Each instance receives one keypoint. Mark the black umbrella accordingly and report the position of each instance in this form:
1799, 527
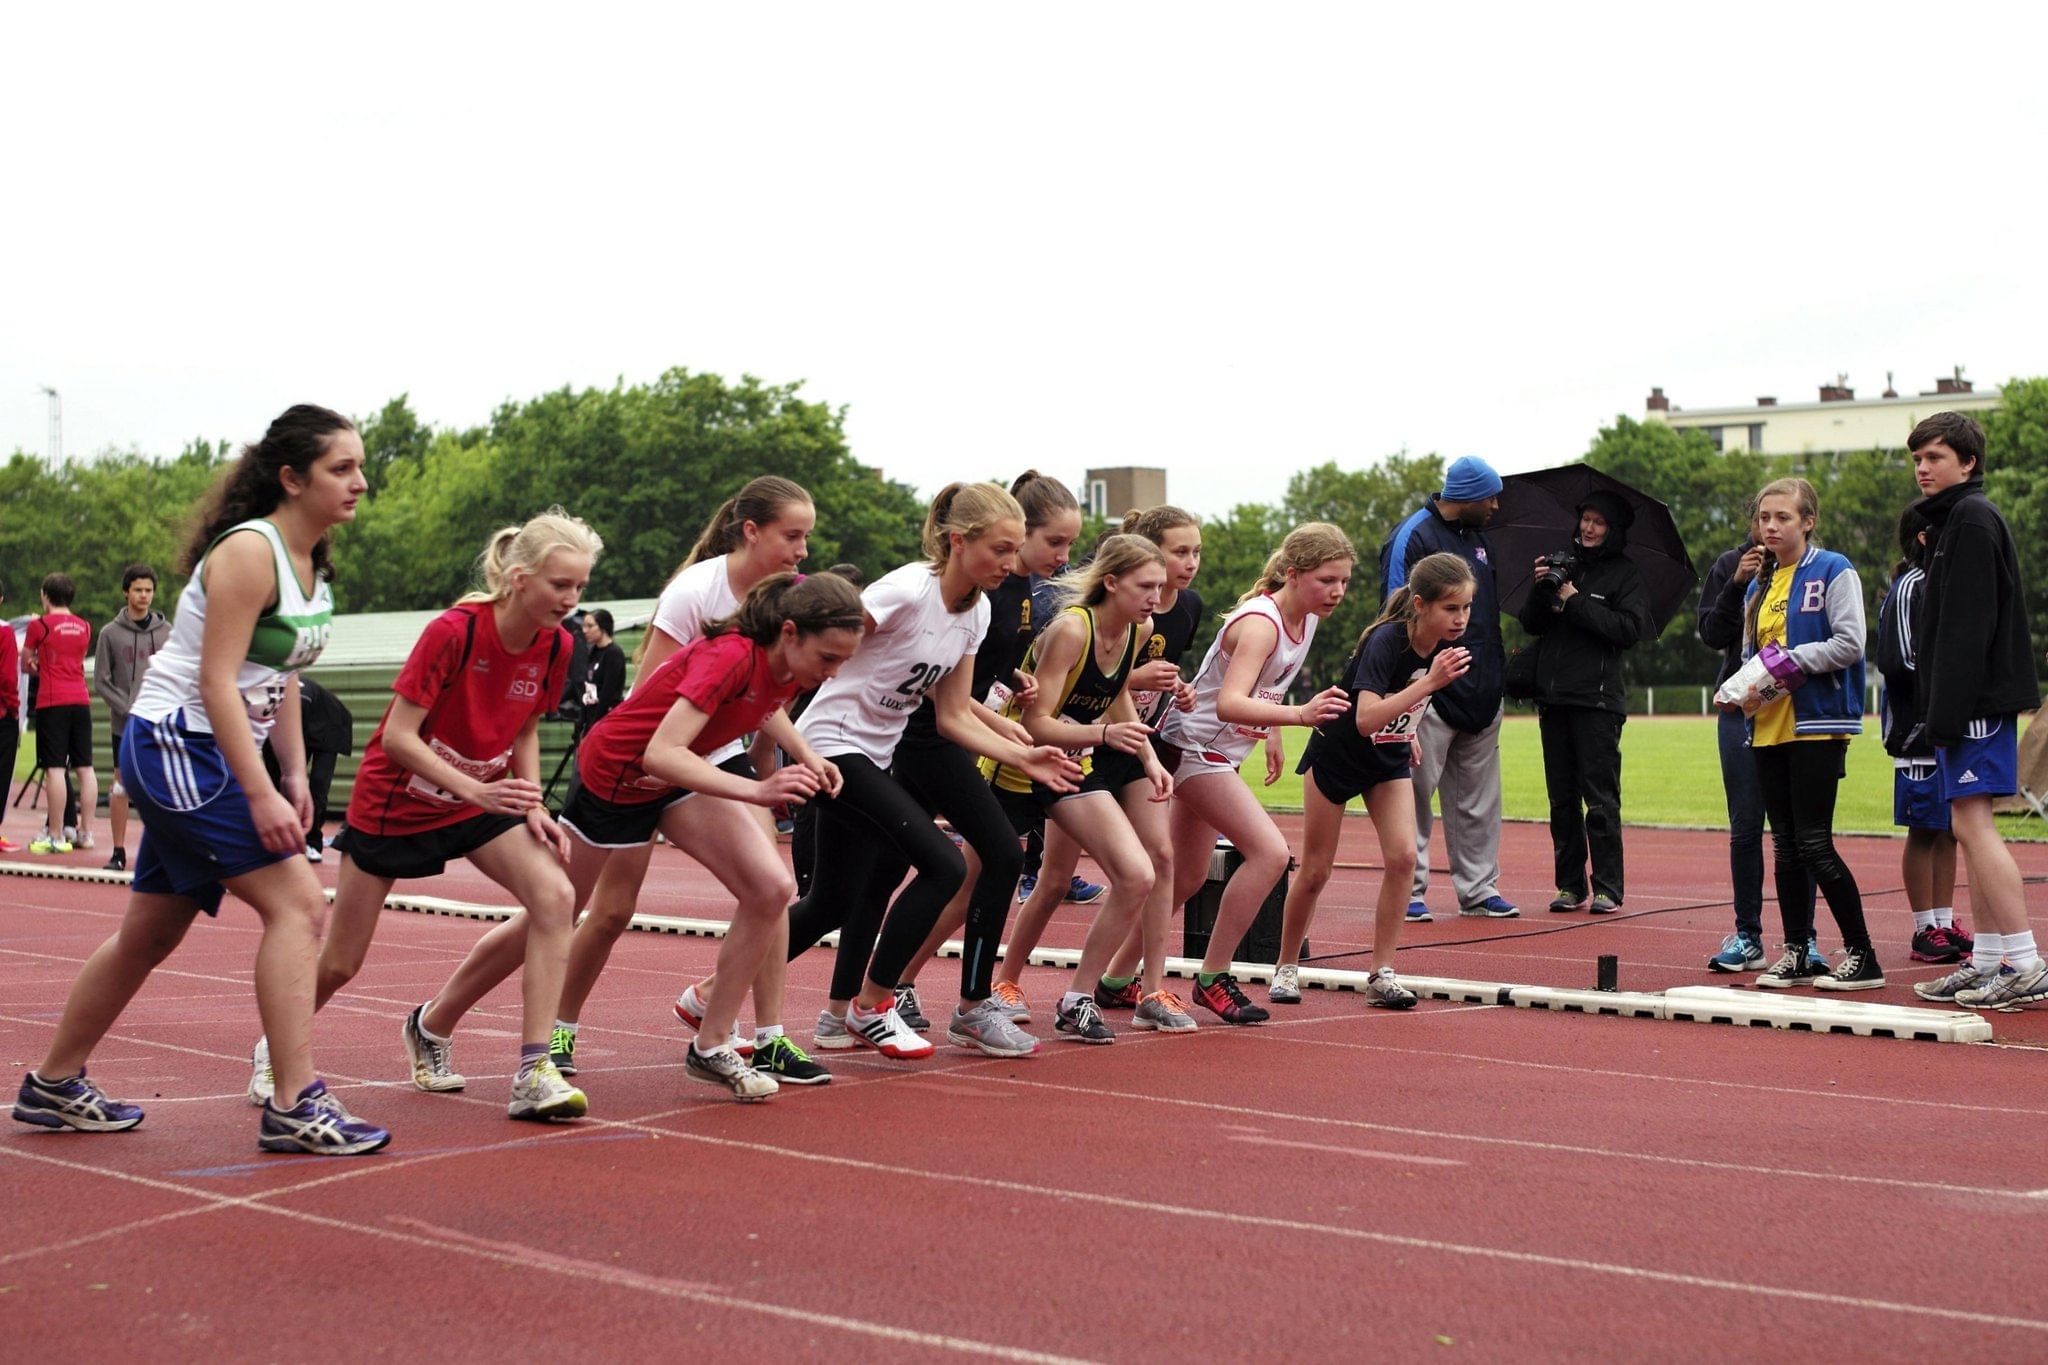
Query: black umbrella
1539, 515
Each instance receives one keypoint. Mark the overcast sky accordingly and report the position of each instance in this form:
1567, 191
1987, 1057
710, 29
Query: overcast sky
1231, 241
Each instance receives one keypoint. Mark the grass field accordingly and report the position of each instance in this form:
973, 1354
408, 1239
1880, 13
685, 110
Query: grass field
1670, 775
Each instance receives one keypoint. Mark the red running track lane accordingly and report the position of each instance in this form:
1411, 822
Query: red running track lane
1341, 1181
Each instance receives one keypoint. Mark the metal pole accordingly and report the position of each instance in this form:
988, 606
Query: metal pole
56, 437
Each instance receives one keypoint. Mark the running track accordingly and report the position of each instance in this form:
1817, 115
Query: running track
1467, 1179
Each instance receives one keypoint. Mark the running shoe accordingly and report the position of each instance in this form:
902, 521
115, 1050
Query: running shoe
789, 1064
313, 854
987, 1029
1963, 978
1603, 904
262, 1080
74, 1103
1493, 907
831, 1033
2012, 988
319, 1125
1124, 997
1012, 1000
1567, 902
885, 1032
723, 1066
8, 845
1739, 953
1026, 884
117, 861
1383, 991
85, 841
562, 1050
1795, 968
1286, 987
911, 1011
48, 845
690, 1009
1857, 971
1418, 913
1964, 941
429, 1059
540, 1093
1165, 1012
1227, 1002
1081, 891
1083, 1023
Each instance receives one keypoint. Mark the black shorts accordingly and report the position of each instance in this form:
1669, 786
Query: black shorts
63, 737
1027, 809
740, 765
402, 857
618, 824
1340, 774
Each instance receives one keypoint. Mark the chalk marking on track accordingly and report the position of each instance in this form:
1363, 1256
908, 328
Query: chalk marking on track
1258, 1139
1527, 1144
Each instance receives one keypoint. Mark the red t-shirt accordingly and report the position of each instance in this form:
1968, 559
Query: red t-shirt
478, 697
63, 642
726, 677
10, 675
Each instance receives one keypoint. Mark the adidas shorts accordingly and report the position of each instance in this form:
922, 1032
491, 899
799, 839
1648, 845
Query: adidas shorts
1917, 802
196, 828
1985, 763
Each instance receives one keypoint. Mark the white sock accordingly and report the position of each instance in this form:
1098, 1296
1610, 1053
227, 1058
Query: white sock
1923, 919
1990, 948
569, 1024
2020, 950
1071, 1001
766, 1034
425, 1032
1944, 916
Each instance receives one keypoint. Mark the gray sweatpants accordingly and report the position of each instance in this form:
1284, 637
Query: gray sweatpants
1465, 770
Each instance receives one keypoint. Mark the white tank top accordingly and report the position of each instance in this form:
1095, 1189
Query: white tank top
1200, 729
692, 600
287, 638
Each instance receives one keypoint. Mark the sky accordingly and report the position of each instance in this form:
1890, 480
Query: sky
1233, 241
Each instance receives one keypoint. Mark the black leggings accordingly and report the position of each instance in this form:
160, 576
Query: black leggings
1799, 781
945, 781
867, 837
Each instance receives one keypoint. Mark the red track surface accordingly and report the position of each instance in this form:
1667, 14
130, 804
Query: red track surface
1492, 1181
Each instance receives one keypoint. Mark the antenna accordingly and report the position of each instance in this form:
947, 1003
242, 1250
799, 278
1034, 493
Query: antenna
56, 445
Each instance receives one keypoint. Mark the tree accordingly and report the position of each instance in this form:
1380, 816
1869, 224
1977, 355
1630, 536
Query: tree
2016, 478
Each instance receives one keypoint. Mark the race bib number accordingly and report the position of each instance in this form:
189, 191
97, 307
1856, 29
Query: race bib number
482, 769
998, 697
1276, 695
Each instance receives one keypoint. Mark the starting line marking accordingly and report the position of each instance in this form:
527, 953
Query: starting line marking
1685, 1004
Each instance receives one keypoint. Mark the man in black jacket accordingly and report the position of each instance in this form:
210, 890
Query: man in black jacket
1583, 622
1977, 675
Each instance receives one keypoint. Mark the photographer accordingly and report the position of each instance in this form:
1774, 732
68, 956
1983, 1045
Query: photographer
1587, 606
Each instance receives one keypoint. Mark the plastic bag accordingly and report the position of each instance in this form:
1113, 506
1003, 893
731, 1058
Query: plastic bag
1763, 678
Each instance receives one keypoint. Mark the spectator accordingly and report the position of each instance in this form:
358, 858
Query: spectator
606, 686
569, 706
1583, 622
55, 649
119, 659
1973, 634
1460, 733
330, 732
10, 714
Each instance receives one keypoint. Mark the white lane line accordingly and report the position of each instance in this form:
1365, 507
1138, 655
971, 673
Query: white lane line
1258, 1139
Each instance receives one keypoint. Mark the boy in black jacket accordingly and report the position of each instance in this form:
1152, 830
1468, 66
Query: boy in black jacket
1977, 677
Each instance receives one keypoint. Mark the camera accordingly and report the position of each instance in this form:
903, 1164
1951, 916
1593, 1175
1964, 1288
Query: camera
1559, 568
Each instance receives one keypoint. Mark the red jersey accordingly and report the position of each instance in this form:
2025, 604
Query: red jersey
726, 677
61, 642
478, 696
10, 675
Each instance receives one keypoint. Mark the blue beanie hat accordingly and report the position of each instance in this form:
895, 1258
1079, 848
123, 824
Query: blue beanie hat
1470, 479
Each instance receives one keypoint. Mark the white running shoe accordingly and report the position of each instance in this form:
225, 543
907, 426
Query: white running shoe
690, 1007
540, 1093
429, 1059
885, 1032
1164, 1012
988, 1029
1387, 993
831, 1033
723, 1066
1286, 987
262, 1081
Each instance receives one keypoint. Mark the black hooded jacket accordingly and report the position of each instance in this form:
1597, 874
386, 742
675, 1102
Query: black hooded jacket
1975, 653
1578, 653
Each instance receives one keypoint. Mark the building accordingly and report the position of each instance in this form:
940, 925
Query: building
1838, 420
1113, 492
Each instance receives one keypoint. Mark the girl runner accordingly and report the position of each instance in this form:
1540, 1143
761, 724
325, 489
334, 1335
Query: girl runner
1239, 692
642, 764
1083, 662
1402, 659
453, 771
922, 619
763, 529
932, 766
1155, 685
256, 610
1800, 741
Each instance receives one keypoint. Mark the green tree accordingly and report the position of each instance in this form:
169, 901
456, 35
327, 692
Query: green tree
2016, 478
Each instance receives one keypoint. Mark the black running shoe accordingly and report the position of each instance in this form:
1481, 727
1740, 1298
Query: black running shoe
789, 1064
1795, 968
1222, 998
910, 1011
1083, 1023
1857, 971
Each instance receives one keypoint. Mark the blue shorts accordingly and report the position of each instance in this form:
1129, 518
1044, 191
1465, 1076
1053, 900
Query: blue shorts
196, 827
1917, 802
1985, 763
